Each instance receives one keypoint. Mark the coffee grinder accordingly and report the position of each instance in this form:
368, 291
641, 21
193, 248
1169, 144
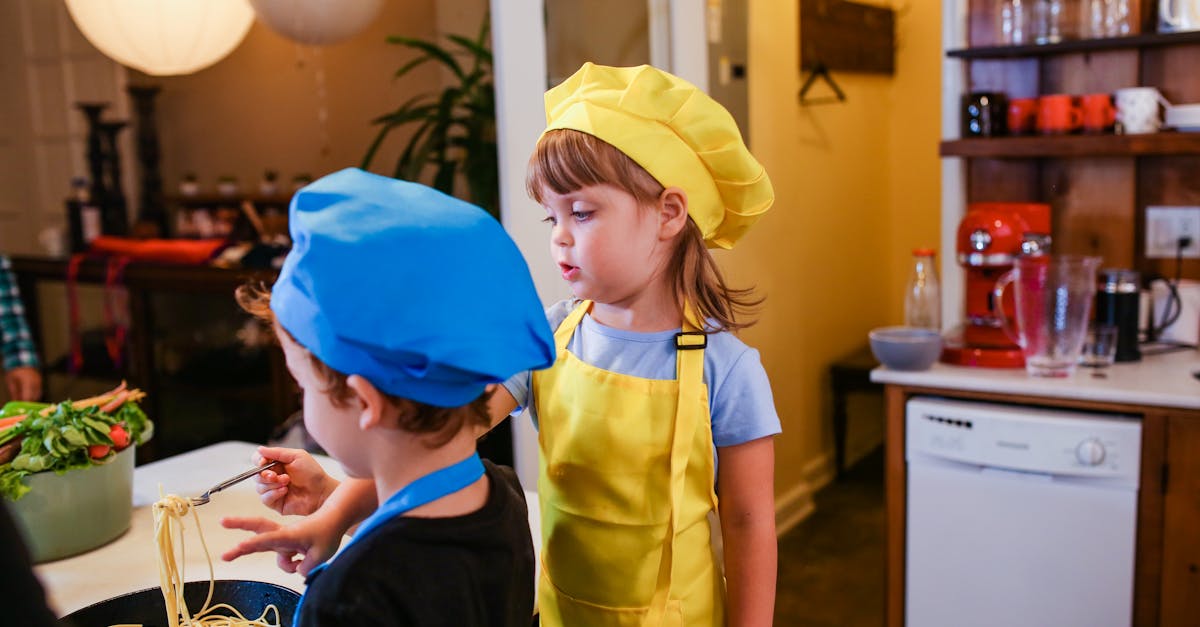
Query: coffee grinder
990, 237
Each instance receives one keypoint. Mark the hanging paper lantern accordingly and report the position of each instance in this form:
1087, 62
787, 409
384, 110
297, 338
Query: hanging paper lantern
163, 37
317, 22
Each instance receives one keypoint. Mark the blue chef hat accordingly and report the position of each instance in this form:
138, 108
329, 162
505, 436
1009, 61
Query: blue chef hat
422, 294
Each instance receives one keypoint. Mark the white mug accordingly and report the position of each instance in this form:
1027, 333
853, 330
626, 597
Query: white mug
1178, 15
1139, 111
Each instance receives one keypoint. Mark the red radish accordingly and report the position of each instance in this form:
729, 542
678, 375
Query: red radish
116, 402
97, 451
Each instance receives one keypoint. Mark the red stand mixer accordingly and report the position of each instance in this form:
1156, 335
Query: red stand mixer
990, 237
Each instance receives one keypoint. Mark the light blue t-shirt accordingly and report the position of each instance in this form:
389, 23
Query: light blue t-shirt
739, 394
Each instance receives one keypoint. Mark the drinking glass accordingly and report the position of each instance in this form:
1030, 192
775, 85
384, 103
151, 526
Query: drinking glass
1118, 18
1099, 346
1054, 295
1048, 21
1014, 23
1093, 16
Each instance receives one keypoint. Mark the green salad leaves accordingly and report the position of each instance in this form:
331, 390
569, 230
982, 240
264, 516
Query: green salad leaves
66, 438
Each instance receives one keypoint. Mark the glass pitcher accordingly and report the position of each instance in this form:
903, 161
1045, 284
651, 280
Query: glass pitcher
1054, 295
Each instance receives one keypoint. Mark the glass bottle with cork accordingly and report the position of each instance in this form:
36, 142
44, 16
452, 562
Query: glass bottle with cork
923, 298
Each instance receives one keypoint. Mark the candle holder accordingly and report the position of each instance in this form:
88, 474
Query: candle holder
152, 211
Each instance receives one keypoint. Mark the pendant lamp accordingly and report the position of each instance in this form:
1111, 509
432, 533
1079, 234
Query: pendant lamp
163, 37
317, 22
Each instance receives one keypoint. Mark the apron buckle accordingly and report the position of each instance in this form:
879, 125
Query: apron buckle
684, 341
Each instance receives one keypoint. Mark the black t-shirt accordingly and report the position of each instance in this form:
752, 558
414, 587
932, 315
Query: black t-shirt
457, 572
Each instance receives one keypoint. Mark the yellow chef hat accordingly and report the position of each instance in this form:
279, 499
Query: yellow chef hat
677, 133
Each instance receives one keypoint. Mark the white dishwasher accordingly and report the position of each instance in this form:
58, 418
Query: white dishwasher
1019, 516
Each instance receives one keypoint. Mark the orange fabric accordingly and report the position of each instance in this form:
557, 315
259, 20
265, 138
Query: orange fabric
162, 250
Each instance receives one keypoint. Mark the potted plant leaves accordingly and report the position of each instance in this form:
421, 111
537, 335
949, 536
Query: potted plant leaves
456, 128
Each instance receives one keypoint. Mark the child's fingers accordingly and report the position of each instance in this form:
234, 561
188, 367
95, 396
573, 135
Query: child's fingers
255, 524
243, 548
265, 454
286, 562
273, 498
311, 559
269, 480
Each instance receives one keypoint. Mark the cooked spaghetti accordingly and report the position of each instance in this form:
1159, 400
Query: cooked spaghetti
169, 514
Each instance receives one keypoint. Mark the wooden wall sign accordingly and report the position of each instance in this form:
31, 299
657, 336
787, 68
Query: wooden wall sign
847, 36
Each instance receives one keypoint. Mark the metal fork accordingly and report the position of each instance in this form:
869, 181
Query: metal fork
204, 498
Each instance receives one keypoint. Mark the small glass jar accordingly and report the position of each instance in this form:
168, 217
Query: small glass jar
1048, 21
1118, 18
1093, 19
1015, 22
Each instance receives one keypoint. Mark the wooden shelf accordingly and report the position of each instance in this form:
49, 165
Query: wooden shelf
213, 200
148, 276
1151, 40
1167, 143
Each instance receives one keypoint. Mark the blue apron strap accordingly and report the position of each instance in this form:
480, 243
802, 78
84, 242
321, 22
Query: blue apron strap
426, 489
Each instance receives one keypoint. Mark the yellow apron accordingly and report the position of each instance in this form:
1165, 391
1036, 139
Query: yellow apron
625, 481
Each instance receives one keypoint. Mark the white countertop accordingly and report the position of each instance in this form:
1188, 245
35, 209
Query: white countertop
1164, 380
129, 563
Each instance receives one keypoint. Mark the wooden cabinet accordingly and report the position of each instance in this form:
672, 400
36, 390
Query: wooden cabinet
1167, 563
1097, 185
203, 384
1181, 523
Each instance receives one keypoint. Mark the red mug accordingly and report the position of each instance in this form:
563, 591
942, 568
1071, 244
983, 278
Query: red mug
1098, 112
1058, 113
1022, 115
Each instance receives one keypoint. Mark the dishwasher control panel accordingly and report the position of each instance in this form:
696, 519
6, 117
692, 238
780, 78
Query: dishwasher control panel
1023, 438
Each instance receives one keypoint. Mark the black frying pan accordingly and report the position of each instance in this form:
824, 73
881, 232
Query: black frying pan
146, 606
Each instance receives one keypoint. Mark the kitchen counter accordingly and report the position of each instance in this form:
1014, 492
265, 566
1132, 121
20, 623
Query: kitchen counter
1163, 380
129, 563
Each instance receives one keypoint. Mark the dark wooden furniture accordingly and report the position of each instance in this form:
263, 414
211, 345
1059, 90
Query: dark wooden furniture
195, 406
1167, 566
260, 398
847, 375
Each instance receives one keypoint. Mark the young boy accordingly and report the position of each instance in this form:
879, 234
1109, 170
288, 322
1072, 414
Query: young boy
398, 308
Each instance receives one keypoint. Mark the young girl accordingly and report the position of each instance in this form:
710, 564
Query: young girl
653, 412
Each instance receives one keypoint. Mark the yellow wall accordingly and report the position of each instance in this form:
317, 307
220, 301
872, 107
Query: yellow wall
914, 172
856, 188
261, 107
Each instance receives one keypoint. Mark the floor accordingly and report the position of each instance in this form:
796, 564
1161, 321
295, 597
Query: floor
831, 565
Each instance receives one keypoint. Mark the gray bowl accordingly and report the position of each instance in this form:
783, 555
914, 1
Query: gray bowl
77, 511
906, 348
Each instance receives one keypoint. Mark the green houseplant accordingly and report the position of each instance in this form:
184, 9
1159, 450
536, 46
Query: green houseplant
455, 129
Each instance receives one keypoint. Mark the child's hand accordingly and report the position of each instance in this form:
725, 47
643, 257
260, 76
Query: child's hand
299, 547
300, 489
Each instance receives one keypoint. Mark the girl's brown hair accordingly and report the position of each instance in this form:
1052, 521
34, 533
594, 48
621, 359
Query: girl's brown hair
441, 424
567, 160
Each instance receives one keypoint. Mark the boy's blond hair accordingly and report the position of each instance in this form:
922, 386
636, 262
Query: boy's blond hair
567, 160
440, 424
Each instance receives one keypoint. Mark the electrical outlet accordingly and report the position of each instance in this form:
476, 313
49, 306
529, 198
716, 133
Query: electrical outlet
1164, 227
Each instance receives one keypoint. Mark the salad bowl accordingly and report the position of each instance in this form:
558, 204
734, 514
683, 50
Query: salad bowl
66, 470
77, 511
